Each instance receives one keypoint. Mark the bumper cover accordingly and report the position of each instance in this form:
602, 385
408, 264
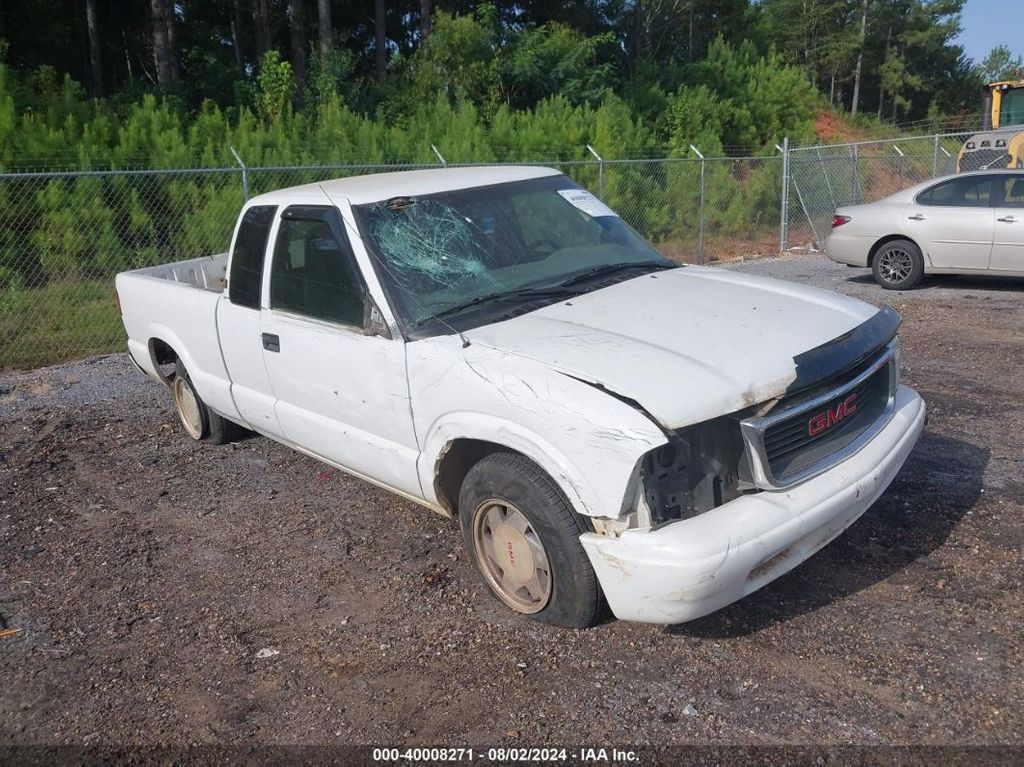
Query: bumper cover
690, 568
849, 249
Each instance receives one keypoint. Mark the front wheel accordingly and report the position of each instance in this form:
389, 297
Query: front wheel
523, 537
898, 265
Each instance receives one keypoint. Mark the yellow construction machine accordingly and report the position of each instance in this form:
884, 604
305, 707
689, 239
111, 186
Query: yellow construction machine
1001, 142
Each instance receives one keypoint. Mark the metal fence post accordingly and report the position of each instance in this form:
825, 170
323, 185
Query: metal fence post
856, 174
935, 157
902, 163
784, 204
439, 156
700, 257
600, 171
948, 155
245, 174
824, 174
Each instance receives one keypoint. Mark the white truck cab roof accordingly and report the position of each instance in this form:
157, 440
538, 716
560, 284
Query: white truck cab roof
360, 190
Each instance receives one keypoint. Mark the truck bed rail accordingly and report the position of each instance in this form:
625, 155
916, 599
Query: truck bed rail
207, 272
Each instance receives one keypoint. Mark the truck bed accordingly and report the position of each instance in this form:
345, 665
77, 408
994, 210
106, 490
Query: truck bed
207, 272
177, 304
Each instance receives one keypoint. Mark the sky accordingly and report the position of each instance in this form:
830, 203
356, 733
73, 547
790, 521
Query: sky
986, 24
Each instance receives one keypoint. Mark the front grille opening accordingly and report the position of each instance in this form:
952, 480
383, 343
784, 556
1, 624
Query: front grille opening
796, 443
808, 432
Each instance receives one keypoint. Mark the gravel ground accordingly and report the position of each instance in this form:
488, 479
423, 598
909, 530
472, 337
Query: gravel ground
167, 592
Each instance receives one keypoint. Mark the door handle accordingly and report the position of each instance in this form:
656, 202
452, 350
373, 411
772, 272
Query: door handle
271, 342
916, 217
1008, 219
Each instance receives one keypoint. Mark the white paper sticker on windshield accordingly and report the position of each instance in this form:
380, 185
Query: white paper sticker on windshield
586, 202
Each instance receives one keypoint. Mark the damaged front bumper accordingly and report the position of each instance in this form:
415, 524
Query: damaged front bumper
687, 569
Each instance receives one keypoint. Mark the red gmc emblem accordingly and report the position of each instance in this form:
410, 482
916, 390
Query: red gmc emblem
826, 420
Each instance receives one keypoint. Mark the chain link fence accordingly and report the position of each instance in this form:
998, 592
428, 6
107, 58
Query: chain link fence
823, 178
64, 235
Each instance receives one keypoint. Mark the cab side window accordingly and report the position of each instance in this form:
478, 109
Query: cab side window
967, 192
313, 272
1013, 192
246, 278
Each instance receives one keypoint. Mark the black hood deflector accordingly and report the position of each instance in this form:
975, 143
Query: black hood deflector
848, 351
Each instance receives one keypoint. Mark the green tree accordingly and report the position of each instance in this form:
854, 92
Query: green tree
552, 59
275, 86
1000, 64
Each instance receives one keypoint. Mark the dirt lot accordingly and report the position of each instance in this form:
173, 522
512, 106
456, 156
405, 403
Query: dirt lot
147, 575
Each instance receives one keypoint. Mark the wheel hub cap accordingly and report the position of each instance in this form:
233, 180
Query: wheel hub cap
512, 556
188, 408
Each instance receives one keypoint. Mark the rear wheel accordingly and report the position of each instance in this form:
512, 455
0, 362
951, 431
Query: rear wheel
201, 423
190, 407
523, 537
898, 265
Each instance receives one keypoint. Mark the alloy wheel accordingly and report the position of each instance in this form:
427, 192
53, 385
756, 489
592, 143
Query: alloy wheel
895, 265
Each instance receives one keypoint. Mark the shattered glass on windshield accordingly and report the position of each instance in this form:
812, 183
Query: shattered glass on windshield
463, 249
427, 242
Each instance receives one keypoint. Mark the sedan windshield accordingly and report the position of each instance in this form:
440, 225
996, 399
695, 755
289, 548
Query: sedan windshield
474, 254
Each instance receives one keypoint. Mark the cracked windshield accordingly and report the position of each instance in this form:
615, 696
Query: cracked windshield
467, 254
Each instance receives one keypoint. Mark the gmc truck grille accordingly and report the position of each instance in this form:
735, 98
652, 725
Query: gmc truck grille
795, 442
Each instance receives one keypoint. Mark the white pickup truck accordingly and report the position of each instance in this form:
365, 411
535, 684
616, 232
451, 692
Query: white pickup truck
497, 344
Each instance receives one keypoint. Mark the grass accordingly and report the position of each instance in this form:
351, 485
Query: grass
58, 322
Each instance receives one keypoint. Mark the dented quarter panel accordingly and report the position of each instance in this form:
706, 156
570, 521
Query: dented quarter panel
586, 440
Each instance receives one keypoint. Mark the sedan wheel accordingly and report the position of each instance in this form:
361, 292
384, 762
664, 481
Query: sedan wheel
898, 265
895, 265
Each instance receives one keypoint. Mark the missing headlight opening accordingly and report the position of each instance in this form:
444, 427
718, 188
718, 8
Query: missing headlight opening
700, 468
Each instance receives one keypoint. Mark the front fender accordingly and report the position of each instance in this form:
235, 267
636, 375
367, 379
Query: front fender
588, 441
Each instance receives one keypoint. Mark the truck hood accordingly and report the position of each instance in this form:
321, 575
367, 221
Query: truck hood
687, 344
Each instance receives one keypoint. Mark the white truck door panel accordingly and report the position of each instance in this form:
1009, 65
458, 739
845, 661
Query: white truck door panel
238, 320
341, 393
1008, 243
344, 396
953, 223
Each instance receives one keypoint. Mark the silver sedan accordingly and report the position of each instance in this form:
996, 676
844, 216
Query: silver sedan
971, 223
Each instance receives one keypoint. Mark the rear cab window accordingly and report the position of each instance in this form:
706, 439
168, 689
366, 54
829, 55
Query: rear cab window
246, 277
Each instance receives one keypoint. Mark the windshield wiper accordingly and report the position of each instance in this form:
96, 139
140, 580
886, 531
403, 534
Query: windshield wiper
610, 268
558, 291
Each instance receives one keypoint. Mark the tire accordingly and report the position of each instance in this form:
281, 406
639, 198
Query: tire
898, 265
199, 422
508, 504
